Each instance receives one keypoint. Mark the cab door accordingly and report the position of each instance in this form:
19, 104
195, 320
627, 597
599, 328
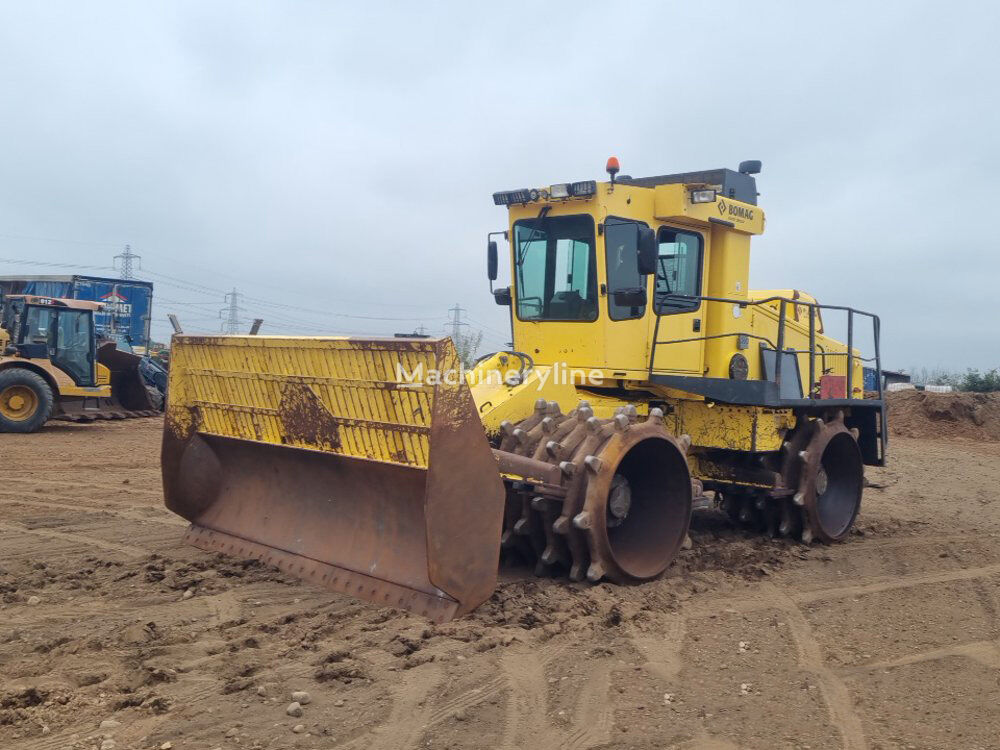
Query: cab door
679, 344
626, 296
71, 345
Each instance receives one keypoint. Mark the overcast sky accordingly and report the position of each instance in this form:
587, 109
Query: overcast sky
342, 157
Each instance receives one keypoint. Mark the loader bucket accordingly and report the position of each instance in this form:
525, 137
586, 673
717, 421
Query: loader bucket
317, 455
128, 389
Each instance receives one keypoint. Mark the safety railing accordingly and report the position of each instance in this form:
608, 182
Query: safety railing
662, 301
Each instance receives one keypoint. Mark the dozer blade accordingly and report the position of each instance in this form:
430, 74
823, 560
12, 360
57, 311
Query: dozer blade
317, 455
128, 389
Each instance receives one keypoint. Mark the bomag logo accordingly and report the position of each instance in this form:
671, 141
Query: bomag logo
736, 212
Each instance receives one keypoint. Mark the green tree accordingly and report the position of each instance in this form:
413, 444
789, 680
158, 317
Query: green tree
467, 345
986, 382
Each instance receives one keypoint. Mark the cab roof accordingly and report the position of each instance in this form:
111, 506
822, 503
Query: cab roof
42, 301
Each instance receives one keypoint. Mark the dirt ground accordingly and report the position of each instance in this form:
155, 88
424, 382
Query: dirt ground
889, 640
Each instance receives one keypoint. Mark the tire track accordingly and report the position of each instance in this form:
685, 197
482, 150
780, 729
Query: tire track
91, 541
836, 696
897, 582
445, 710
663, 651
527, 723
986, 653
408, 718
32, 501
74, 487
593, 715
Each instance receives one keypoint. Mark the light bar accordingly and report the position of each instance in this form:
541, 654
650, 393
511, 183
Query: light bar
507, 197
703, 196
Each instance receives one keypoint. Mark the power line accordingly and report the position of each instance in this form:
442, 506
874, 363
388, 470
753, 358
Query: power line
55, 265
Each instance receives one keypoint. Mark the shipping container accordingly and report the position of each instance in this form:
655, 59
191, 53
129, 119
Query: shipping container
128, 304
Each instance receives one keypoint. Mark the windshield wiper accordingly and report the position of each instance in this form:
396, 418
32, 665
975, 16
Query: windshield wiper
523, 249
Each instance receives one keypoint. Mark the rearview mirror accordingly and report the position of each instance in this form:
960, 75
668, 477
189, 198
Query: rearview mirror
629, 297
648, 251
491, 260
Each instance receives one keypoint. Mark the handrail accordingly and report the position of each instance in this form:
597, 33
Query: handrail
660, 302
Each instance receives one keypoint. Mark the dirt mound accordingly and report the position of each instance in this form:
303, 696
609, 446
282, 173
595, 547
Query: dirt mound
920, 414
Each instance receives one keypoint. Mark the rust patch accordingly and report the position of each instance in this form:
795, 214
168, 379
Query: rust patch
306, 419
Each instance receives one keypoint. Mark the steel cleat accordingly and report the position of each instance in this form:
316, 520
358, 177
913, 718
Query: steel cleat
595, 572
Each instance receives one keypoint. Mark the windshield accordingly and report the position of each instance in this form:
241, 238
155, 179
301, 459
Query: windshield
554, 264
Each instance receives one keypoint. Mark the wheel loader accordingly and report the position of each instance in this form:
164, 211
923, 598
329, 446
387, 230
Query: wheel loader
645, 380
52, 366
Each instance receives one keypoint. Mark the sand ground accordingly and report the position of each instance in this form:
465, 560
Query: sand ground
889, 640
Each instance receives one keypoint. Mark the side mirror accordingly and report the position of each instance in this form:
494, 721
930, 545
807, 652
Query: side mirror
648, 250
630, 297
491, 260
502, 296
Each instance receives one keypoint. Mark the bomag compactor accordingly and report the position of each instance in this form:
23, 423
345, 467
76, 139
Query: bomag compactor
645, 379
52, 366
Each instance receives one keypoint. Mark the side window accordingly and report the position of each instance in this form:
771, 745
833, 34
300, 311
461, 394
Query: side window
38, 324
678, 270
621, 250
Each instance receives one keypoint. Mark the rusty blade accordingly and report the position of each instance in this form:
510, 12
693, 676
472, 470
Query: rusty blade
128, 389
424, 538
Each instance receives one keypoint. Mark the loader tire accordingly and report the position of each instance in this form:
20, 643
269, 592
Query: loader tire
25, 401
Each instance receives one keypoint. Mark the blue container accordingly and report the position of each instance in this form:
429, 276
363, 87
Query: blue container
128, 304
871, 379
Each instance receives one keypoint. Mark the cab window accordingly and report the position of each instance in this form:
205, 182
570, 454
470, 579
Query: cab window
38, 323
678, 272
555, 276
621, 249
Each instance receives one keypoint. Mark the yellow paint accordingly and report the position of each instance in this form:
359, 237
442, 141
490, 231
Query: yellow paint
729, 427
698, 342
18, 403
232, 386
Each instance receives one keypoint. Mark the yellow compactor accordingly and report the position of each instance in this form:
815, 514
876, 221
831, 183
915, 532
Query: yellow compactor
645, 379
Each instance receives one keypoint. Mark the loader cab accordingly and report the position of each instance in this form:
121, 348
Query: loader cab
60, 331
599, 271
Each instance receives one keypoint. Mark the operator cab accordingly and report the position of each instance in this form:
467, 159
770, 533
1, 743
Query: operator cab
602, 270
59, 330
